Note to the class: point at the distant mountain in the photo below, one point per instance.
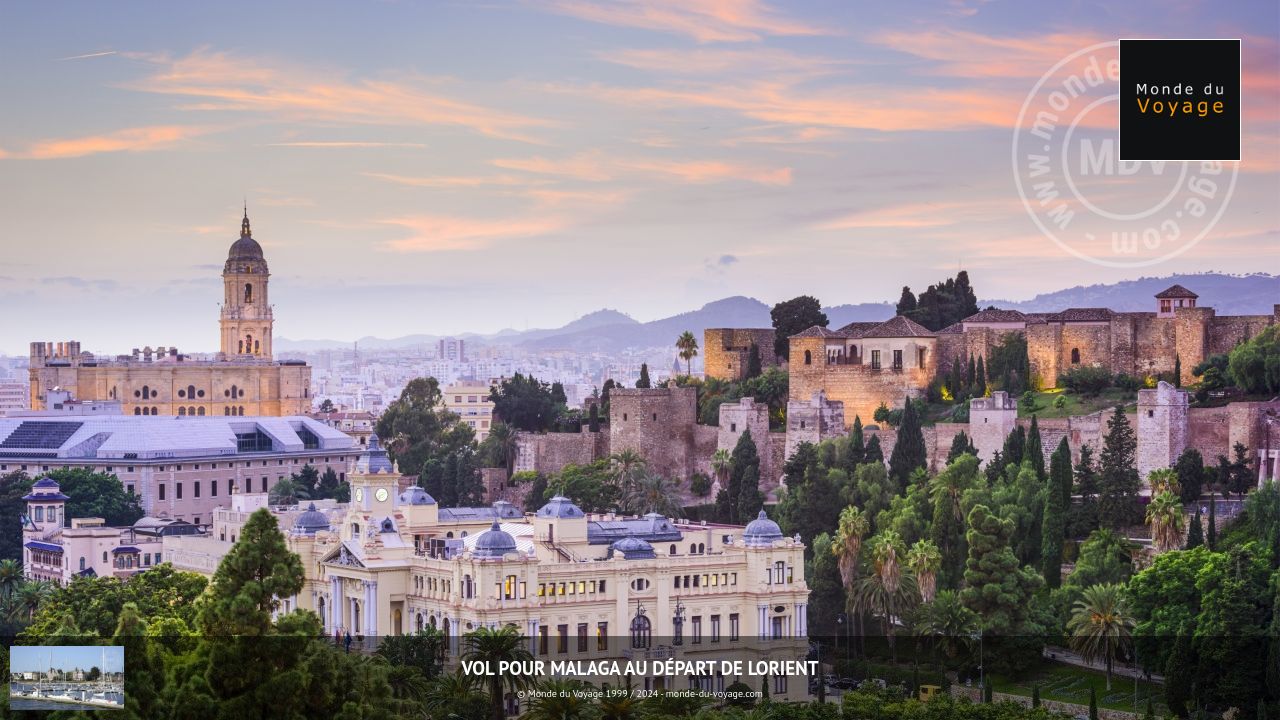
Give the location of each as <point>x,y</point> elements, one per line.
<point>611,330</point>
<point>1228,294</point>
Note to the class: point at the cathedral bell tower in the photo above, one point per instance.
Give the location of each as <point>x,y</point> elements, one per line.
<point>246,310</point>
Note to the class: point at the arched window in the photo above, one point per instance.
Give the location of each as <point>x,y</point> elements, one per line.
<point>673,550</point>
<point>146,392</point>
<point>702,548</point>
<point>248,292</point>
<point>191,411</point>
<point>39,513</point>
<point>200,411</point>
<point>808,358</point>
<point>468,587</point>
<point>137,411</point>
<point>82,563</point>
<point>257,347</point>
<point>248,342</point>
<point>182,411</point>
<point>191,391</point>
<point>240,348</point>
<point>104,556</point>
<point>419,623</point>
<point>1075,356</point>
<point>641,632</point>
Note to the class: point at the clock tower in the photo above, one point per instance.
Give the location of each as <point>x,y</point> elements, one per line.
<point>374,482</point>
<point>246,311</point>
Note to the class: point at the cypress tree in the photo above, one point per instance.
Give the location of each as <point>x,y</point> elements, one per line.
<point>1055,515</point>
<point>593,418</point>
<point>994,469</point>
<point>956,382</point>
<point>751,501</point>
<point>971,374</point>
<point>1177,371</point>
<point>874,453</point>
<point>1211,537</point>
<point>1034,450</point>
<point>1035,696</point>
<point>744,456</point>
<point>754,366</point>
<point>1015,447</point>
<point>909,451</point>
<point>1118,481</point>
<point>857,447</point>
<point>643,382</point>
<point>980,378</point>
<point>960,445</point>
<point>1195,533</point>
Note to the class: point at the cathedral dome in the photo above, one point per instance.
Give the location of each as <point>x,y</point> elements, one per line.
<point>633,548</point>
<point>761,532</point>
<point>246,248</point>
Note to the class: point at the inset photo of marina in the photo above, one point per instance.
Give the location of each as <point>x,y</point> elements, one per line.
<point>43,677</point>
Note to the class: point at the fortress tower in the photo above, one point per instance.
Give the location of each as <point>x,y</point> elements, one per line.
<point>1162,428</point>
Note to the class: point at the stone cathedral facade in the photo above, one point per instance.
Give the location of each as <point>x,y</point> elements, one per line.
<point>242,378</point>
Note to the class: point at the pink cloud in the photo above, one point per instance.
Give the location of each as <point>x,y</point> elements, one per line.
<point>454,181</point>
<point>594,166</point>
<point>440,233</point>
<point>703,20</point>
<point>301,94</point>
<point>138,139</point>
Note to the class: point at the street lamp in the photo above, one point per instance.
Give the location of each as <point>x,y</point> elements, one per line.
<point>840,626</point>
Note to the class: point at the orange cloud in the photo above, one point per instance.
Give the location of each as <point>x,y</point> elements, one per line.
<point>703,20</point>
<point>959,53</point>
<point>596,167</point>
<point>926,215</point>
<point>346,144</point>
<point>139,139</point>
<point>453,181</point>
<point>298,94</point>
<point>439,233</point>
<point>718,61</point>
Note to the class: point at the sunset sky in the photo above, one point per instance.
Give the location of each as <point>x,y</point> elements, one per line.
<point>453,167</point>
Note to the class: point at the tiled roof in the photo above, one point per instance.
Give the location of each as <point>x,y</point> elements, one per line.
<point>817,331</point>
<point>1037,318</point>
<point>952,329</point>
<point>856,329</point>
<point>1082,315</point>
<point>1176,291</point>
<point>899,327</point>
<point>49,547</point>
<point>996,315</point>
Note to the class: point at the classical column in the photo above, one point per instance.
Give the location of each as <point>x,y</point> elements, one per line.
<point>453,636</point>
<point>1263,462</point>
<point>335,603</point>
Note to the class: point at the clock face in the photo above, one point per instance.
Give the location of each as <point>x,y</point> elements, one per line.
<point>381,494</point>
<point>359,494</point>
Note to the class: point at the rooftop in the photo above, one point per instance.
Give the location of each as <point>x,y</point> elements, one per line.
<point>1175,291</point>
<point>142,437</point>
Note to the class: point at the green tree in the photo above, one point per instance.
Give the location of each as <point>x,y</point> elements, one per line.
<point>525,403</point>
<point>287,492</point>
<point>906,302</point>
<point>308,479</point>
<point>744,457</point>
<point>1105,557</point>
<point>942,303</point>
<point>417,428</point>
<point>998,589</point>
<point>924,559</point>
<point>793,316</point>
<point>1167,521</point>
<point>1118,481</point>
<point>874,454</point>
<point>493,646</point>
<point>960,444</point>
<point>909,452</point>
<point>326,406</point>
<point>1034,452</point>
<point>95,494</point>
<point>847,543</point>
<point>1254,365</point>
<point>1100,626</point>
<point>1211,538</point>
<point>947,490</point>
<point>1190,469</point>
<point>755,365</point>
<point>593,423</point>
<point>687,344</point>
<point>1009,366</point>
<point>330,486</point>
<point>1055,515</point>
<point>644,381</point>
<point>887,591</point>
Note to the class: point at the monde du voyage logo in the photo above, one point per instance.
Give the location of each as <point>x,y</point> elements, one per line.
<point>1180,100</point>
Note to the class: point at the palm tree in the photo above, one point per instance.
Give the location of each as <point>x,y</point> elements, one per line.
<point>1164,479</point>
<point>451,691</point>
<point>886,554</point>
<point>948,621</point>
<point>888,591</point>
<point>493,646</point>
<point>652,493</point>
<point>28,598</point>
<point>1167,521</point>
<point>721,463</point>
<point>1100,625</point>
<point>504,439</point>
<point>688,346</point>
<point>626,465</point>
<point>924,559</point>
<point>622,707</point>
<point>10,577</point>
<point>848,542</point>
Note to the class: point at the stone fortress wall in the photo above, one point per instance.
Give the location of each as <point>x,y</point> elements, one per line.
<point>725,351</point>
